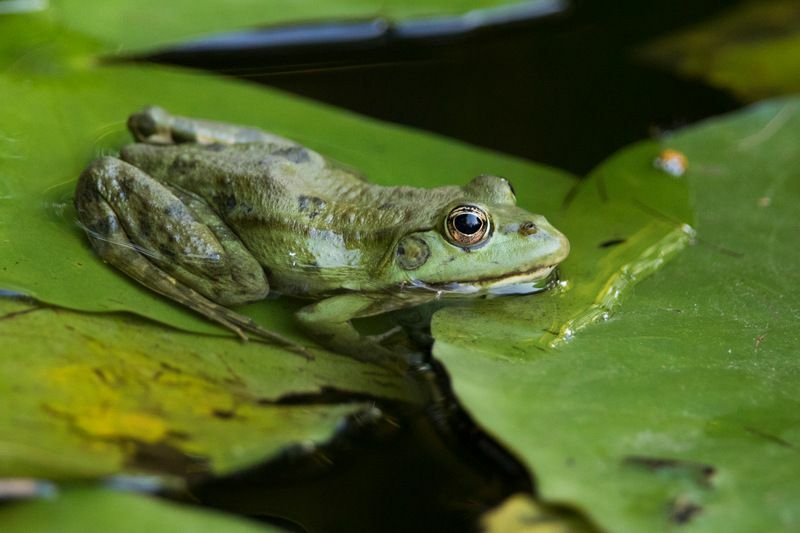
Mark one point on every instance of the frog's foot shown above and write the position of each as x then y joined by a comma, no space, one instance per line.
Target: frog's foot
151,125
155,125
241,325
183,255
330,321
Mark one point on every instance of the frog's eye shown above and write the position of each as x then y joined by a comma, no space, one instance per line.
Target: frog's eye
466,225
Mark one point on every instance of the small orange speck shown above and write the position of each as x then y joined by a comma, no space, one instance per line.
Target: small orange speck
672,162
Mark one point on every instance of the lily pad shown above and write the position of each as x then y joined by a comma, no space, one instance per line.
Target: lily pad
683,408
90,395
753,49
83,509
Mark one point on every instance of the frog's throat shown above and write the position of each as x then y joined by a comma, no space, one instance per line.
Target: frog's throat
525,282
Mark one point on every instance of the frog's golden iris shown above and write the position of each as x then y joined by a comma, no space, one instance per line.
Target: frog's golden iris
467,226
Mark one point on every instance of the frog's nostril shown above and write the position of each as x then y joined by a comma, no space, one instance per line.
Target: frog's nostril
528,228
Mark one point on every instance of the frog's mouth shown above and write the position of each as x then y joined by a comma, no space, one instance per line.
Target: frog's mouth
527,282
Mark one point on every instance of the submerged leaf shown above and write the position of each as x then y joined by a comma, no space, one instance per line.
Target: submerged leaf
683,408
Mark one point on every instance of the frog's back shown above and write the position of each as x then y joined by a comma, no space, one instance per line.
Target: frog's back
315,225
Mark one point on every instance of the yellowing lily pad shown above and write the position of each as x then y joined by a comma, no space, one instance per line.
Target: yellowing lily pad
94,395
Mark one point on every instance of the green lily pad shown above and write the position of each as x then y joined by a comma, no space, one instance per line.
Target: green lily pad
753,50
683,408
90,395
83,509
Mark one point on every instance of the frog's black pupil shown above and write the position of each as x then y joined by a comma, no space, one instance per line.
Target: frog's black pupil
467,223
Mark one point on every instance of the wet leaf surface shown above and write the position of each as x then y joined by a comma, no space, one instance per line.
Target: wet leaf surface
682,409
82,509
752,50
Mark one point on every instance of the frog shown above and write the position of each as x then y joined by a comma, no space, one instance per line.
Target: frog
214,215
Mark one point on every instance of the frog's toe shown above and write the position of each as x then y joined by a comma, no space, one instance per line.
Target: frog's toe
386,335
151,125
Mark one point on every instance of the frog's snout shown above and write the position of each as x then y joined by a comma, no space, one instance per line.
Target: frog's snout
563,246
557,241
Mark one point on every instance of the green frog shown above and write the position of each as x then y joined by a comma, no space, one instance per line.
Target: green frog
214,215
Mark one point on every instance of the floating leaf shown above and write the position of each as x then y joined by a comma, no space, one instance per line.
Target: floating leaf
682,409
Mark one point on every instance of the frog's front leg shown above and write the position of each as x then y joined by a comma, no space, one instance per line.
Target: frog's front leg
175,246
330,321
155,125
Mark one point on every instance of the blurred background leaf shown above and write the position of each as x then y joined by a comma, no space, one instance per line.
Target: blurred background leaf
752,50
124,26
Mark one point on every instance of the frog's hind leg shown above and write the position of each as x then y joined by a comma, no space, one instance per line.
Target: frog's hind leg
142,228
155,125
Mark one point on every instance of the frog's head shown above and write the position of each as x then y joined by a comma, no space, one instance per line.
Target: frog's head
482,243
